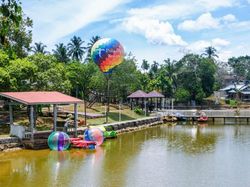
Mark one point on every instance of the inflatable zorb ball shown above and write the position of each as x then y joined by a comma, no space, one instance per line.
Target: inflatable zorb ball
94,134
58,141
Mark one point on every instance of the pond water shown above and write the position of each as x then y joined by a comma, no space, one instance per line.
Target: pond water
182,155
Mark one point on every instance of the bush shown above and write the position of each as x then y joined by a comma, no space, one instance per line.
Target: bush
138,111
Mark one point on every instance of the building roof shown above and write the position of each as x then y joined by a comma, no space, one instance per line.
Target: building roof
138,94
155,94
232,87
35,98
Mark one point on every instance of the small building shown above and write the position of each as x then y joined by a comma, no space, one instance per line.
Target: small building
32,99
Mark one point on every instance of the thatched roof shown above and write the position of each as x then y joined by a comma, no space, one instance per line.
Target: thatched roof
138,94
155,94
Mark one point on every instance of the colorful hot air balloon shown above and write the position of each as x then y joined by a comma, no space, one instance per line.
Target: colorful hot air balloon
107,53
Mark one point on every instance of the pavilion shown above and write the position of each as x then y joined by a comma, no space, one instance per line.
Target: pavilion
157,97
32,99
141,96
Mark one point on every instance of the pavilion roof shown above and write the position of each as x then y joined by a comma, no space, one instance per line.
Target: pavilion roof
40,97
155,94
138,94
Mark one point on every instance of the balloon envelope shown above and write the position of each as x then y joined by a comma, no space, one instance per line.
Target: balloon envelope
107,53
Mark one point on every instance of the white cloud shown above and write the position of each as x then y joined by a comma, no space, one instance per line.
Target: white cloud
228,18
155,31
54,20
205,21
218,42
180,9
200,45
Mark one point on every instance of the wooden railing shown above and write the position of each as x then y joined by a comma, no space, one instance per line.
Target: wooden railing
212,113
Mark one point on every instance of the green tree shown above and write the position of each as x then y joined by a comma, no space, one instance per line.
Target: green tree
210,52
61,53
39,48
15,29
240,66
153,69
75,48
145,65
22,74
4,80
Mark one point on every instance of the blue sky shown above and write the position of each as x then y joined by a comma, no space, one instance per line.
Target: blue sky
152,30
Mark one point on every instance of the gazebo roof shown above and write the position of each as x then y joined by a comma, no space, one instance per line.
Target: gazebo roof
155,94
35,98
138,94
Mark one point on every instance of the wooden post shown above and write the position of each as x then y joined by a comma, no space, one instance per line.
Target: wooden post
75,118
32,121
54,116
11,114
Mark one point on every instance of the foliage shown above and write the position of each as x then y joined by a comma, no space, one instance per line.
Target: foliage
15,33
240,66
61,53
138,111
39,48
75,48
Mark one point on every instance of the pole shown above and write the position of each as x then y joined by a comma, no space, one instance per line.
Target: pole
11,114
75,118
85,111
107,111
120,117
32,121
54,116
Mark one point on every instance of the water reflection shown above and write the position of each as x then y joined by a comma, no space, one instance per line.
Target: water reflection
167,155
191,139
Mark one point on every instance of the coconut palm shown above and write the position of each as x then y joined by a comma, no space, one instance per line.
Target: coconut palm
61,53
145,65
90,45
75,48
39,48
210,52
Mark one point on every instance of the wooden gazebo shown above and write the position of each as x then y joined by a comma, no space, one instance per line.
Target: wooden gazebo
157,97
31,99
137,96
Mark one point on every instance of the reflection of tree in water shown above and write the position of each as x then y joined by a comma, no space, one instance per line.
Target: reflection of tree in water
119,154
192,140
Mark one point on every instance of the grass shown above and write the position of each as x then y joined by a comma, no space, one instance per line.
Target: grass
46,123
126,113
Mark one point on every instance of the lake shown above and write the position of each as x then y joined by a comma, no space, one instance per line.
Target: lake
181,155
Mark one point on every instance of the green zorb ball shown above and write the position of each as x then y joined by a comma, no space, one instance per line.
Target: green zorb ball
58,141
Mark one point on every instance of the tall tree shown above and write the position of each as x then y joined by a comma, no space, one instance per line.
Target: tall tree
15,29
92,41
76,50
39,48
210,52
145,65
61,53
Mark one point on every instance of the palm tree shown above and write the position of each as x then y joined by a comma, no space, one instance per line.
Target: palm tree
92,41
61,53
39,48
210,52
75,48
145,65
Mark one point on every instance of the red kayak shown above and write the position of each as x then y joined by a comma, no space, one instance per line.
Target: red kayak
202,118
82,143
